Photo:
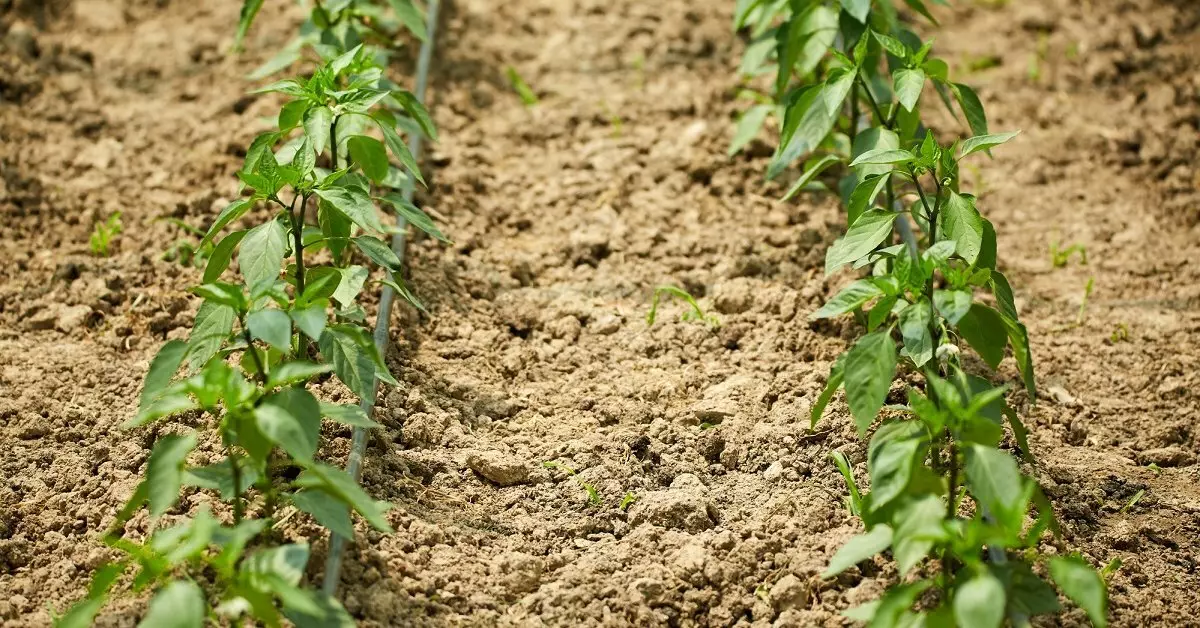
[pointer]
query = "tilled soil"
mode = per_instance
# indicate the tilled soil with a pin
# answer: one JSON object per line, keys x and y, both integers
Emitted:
{"x": 565, "y": 216}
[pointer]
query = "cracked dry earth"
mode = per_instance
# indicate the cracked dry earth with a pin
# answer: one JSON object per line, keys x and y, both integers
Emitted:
{"x": 565, "y": 216}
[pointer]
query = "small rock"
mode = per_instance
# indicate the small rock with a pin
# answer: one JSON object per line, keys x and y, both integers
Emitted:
{"x": 20, "y": 39}
{"x": 773, "y": 472}
{"x": 71, "y": 318}
{"x": 713, "y": 410}
{"x": 689, "y": 562}
{"x": 687, "y": 510}
{"x": 1062, "y": 397}
{"x": 1033, "y": 17}
{"x": 521, "y": 572}
{"x": 501, "y": 468}
{"x": 733, "y": 297}
{"x": 1167, "y": 457}
{"x": 789, "y": 592}
{"x": 606, "y": 324}
{"x": 649, "y": 589}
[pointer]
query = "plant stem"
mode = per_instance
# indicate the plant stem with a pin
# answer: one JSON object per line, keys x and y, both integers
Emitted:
{"x": 298, "y": 240}
{"x": 258, "y": 364}
{"x": 333, "y": 143}
{"x": 236, "y": 472}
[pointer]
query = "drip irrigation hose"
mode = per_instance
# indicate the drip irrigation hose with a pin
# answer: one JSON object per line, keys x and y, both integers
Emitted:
{"x": 387, "y": 296}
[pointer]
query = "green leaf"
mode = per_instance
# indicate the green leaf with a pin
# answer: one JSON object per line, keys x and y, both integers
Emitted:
{"x": 295, "y": 371}
{"x": 890, "y": 459}
{"x": 848, "y": 299}
{"x": 339, "y": 483}
{"x": 832, "y": 384}
{"x": 370, "y": 154}
{"x": 347, "y": 415}
{"x": 292, "y": 113}
{"x": 218, "y": 260}
{"x": 952, "y": 304}
{"x": 410, "y": 16}
{"x": 165, "y": 405}
{"x": 285, "y": 561}
{"x": 813, "y": 169}
{"x": 311, "y": 320}
{"x": 417, "y": 112}
{"x": 327, "y": 509}
{"x": 355, "y": 204}
{"x": 414, "y": 216}
{"x": 213, "y": 324}
{"x": 1083, "y": 585}
{"x": 232, "y": 212}
{"x": 378, "y": 252}
{"x": 858, "y": 549}
{"x": 343, "y": 61}
{"x": 867, "y": 232}
{"x": 219, "y": 477}
{"x": 272, "y": 327}
{"x": 961, "y": 222}
{"x": 350, "y": 360}
{"x": 996, "y": 483}
{"x": 748, "y": 126}
{"x": 858, "y": 9}
{"x": 284, "y": 58}
{"x": 979, "y": 602}
{"x": 261, "y": 254}
{"x": 1018, "y": 336}
{"x": 333, "y": 614}
{"x": 918, "y": 527}
{"x": 1004, "y": 295}
{"x": 400, "y": 150}
{"x": 164, "y": 472}
{"x": 162, "y": 369}
{"x": 914, "y": 328}
{"x": 249, "y": 10}
{"x": 972, "y": 108}
{"x": 806, "y": 124}
{"x": 351, "y": 283}
{"x": 882, "y": 156}
{"x": 892, "y": 45}
{"x": 864, "y": 195}
{"x": 908, "y": 85}
{"x": 180, "y": 604}
{"x": 983, "y": 142}
{"x": 870, "y": 366}
{"x": 919, "y": 7}
{"x": 291, "y": 418}
{"x": 984, "y": 329}
{"x": 317, "y": 122}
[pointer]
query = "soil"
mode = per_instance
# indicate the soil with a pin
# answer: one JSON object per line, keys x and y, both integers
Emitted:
{"x": 565, "y": 216}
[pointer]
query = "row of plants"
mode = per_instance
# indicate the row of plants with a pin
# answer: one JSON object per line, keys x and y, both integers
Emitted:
{"x": 287, "y": 319}
{"x": 847, "y": 84}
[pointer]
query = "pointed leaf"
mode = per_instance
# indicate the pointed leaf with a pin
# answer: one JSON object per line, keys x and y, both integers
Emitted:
{"x": 979, "y": 602}
{"x": 162, "y": 369}
{"x": 867, "y": 232}
{"x": 369, "y": 154}
{"x": 961, "y": 222}
{"x": 983, "y": 142}
{"x": 832, "y": 384}
{"x": 291, "y": 418}
{"x": 180, "y": 604}
{"x": 848, "y": 299}
{"x": 414, "y": 216}
{"x": 379, "y": 252}
{"x": 260, "y": 256}
{"x": 355, "y": 204}
{"x": 272, "y": 327}
{"x": 908, "y": 85}
{"x": 1083, "y": 585}
{"x": 858, "y": 549}
{"x": 870, "y": 366}
{"x": 164, "y": 472}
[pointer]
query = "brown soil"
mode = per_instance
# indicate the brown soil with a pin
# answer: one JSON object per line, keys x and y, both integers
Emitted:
{"x": 565, "y": 216}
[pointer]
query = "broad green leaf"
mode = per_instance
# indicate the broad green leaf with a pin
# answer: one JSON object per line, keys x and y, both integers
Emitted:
{"x": 180, "y": 604}
{"x": 284, "y": 58}
{"x": 864, "y": 195}
{"x": 1018, "y": 336}
{"x": 881, "y": 156}
{"x": 292, "y": 114}
{"x": 895, "y": 607}
{"x": 890, "y": 459}
{"x": 837, "y": 87}
{"x": 832, "y": 384}
{"x": 908, "y": 85}
{"x": 1004, "y": 295}
{"x": 410, "y": 16}
{"x": 219, "y": 477}
{"x": 232, "y": 212}
{"x": 305, "y": 159}
{"x": 295, "y": 371}
{"x": 261, "y": 253}
{"x": 370, "y": 154}
{"x": 347, "y": 415}
{"x": 961, "y": 222}
{"x": 870, "y": 139}
{"x": 919, "y": 7}
{"x": 1083, "y": 585}
{"x": 870, "y": 366}
{"x": 272, "y": 327}
{"x": 914, "y": 327}
{"x": 162, "y": 369}
{"x": 223, "y": 293}
{"x": 952, "y": 304}
{"x": 343, "y": 61}
{"x": 858, "y": 549}
{"x": 341, "y": 484}
{"x": 806, "y": 124}
{"x": 400, "y": 150}
{"x": 351, "y": 283}
{"x": 355, "y": 204}
{"x": 414, "y": 216}
{"x": 351, "y": 362}
{"x": 1029, "y": 594}
{"x": 813, "y": 169}
{"x": 983, "y": 142}
{"x": 327, "y": 509}
{"x": 317, "y": 123}
{"x": 285, "y": 561}
{"x": 848, "y": 299}
{"x": 245, "y": 19}
{"x": 918, "y": 527}
{"x": 165, "y": 405}
{"x": 379, "y": 252}
{"x": 291, "y": 418}
{"x": 894, "y": 46}
{"x": 748, "y": 126}
{"x": 979, "y": 602}
{"x": 164, "y": 471}
{"x": 972, "y": 108}
{"x": 213, "y": 324}
{"x": 986, "y": 332}
{"x": 858, "y": 9}
{"x": 867, "y": 232}
{"x": 311, "y": 320}
{"x": 996, "y": 483}
{"x": 218, "y": 260}
{"x": 289, "y": 86}
{"x": 332, "y": 613}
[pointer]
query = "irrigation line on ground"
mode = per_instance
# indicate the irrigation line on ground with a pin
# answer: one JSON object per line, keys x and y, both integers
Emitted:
{"x": 358, "y": 445}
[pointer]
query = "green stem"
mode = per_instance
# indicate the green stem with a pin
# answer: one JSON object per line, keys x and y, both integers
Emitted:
{"x": 298, "y": 240}
{"x": 236, "y": 472}
{"x": 333, "y": 143}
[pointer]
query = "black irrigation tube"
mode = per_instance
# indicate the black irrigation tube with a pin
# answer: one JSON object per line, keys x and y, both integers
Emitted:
{"x": 337, "y": 543}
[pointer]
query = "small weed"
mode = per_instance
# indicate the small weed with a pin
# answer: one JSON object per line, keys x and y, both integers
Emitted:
{"x": 1155, "y": 468}
{"x": 1111, "y": 568}
{"x": 979, "y": 63}
{"x": 1120, "y": 333}
{"x": 1038, "y": 59}
{"x": 1087, "y": 292}
{"x": 627, "y": 501}
{"x": 1137, "y": 497}
{"x": 594, "y": 498}
{"x": 103, "y": 234}
{"x": 693, "y": 314}
{"x": 1060, "y": 257}
{"x": 521, "y": 87}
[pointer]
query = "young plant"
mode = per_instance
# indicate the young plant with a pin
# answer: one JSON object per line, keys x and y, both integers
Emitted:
{"x": 255, "y": 346}
{"x": 693, "y": 313}
{"x": 949, "y": 505}
{"x": 103, "y": 234}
